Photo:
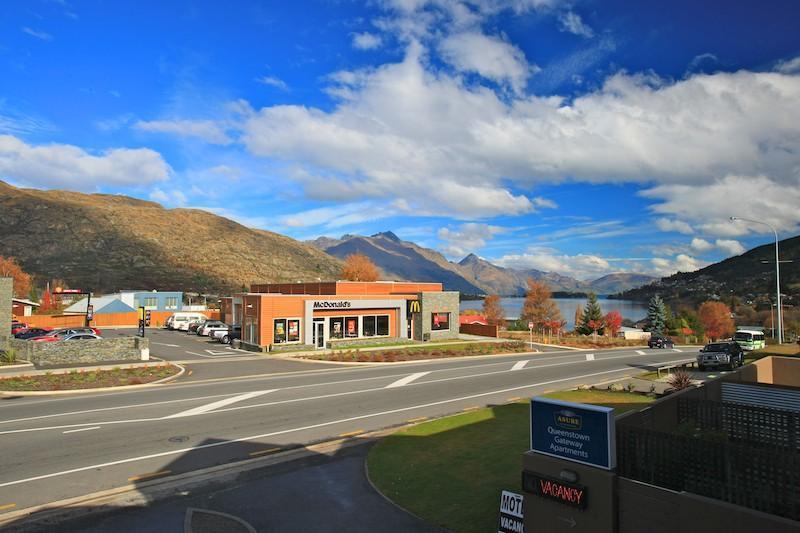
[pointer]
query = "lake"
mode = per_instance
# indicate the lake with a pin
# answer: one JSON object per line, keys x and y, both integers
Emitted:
{"x": 512, "y": 306}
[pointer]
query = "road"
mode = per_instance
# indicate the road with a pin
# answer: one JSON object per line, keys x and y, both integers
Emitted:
{"x": 60, "y": 447}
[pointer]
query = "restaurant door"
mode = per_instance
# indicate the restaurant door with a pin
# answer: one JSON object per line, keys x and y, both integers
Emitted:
{"x": 319, "y": 334}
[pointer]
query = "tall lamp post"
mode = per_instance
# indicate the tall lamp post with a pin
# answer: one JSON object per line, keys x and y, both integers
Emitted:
{"x": 777, "y": 271}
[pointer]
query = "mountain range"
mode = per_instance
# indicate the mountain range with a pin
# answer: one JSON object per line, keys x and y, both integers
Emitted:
{"x": 400, "y": 259}
{"x": 108, "y": 242}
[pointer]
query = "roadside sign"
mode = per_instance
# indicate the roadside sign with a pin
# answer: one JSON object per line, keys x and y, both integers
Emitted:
{"x": 558, "y": 490}
{"x": 59, "y": 290}
{"x": 510, "y": 513}
{"x": 530, "y": 325}
{"x": 574, "y": 431}
{"x": 89, "y": 313}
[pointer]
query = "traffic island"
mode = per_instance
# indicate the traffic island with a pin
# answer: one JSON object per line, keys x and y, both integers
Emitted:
{"x": 417, "y": 353}
{"x": 90, "y": 379}
{"x": 450, "y": 471}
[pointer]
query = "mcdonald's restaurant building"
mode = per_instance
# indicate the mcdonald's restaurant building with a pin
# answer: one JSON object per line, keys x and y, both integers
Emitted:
{"x": 279, "y": 316}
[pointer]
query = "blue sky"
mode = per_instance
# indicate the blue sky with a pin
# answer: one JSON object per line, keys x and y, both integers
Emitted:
{"x": 575, "y": 136}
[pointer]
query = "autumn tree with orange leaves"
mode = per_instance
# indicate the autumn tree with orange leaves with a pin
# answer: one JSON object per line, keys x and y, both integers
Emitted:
{"x": 539, "y": 307}
{"x": 359, "y": 267}
{"x": 613, "y": 321}
{"x": 493, "y": 311}
{"x": 22, "y": 281}
{"x": 716, "y": 319}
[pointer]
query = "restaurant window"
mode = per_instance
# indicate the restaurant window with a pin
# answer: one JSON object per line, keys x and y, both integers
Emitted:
{"x": 369, "y": 326}
{"x": 286, "y": 330}
{"x": 351, "y": 326}
{"x": 440, "y": 321}
{"x": 337, "y": 328}
{"x": 382, "y": 325}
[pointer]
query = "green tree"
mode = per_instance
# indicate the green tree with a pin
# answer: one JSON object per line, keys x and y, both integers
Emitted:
{"x": 657, "y": 314}
{"x": 592, "y": 318}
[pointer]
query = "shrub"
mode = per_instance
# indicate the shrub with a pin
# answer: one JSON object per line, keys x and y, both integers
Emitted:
{"x": 680, "y": 380}
{"x": 9, "y": 356}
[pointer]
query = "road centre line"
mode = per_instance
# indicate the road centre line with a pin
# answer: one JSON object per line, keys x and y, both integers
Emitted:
{"x": 81, "y": 429}
{"x": 590, "y": 357}
{"x": 221, "y": 403}
{"x": 298, "y": 429}
{"x": 295, "y": 400}
{"x": 519, "y": 365}
{"x": 640, "y": 352}
{"x": 406, "y": 380}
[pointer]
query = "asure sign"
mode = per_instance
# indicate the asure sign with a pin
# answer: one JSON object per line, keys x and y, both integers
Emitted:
{"x": 510, "y": 513}
{"x": 570, "y": 494}
{"x": 341, "y": 304}
{"x": 574, "y": 431}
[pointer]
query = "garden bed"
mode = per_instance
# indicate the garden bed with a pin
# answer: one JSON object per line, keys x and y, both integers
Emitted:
{"x": 88, "y": 379}
{"x": 421, "y": 352}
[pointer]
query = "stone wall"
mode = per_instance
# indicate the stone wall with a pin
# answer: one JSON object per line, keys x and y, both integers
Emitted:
{"x": 6, "y": 288}
{"x": 78, "y": 352}
{"x": 437, "y": 302}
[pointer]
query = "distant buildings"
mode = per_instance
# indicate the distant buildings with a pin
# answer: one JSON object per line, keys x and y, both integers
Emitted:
{"x": 127, "y": 301}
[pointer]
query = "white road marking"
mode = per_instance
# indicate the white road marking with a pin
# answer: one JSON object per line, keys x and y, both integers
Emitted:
{"x": 406, "y": 380}
{"x": 641, "y": 352}
{"x": 298, "y": 429}
{"x": 590, "y": 357}
{"x": 82, "y": 429}
{"x": 221, "y": 403}
{"x": 217, "y": 352}
{"x": 165, "y": 344}
{"x": 519, "y": 365}
{"x": 676, "y": 350}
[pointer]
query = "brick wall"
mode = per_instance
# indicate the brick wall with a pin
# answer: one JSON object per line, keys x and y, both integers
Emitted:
{"x": 43, "y": 354}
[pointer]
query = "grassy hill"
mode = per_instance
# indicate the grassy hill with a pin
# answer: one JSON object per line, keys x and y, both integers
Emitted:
{"x": 107, "y": 242}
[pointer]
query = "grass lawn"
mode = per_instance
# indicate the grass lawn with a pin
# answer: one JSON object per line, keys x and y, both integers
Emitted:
{"x": 422, "y": 352}
{"x": 450, "y": 471}
{"x": 80, "y": 379}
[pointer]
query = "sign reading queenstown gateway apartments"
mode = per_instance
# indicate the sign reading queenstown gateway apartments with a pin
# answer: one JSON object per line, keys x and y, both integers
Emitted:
{"x": 573, "y": 431}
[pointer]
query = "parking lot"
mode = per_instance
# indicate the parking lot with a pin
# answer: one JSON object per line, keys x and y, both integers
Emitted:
{"x": 180, "y": 346}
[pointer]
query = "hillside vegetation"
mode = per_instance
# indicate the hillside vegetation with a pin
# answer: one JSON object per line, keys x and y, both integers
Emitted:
{"x": 106, "y": 243}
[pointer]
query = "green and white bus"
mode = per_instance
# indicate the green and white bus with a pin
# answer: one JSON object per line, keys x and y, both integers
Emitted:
{"x": 750, "y": 339}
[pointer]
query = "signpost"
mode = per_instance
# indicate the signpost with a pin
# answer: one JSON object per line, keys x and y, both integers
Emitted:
{"x": 574, "y": 431}
{"x": 511, "y": 514}
{"x": 530, "y": 333}
{"x": 144, "y": 316}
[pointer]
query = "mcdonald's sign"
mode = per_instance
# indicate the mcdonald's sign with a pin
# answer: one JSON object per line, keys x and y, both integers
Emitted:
{"x": 413, "y": 306}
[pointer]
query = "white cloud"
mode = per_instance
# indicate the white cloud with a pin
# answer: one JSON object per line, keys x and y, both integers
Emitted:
{"x": 680, "y": 263}
{"x": 702, "y": 60}
{"x": 171, "y": 197}
{"x": 730, "y": 246}
{"x": 701, "y": 245}
{"x": 467, "y": 238}
{"x": 572, "y": 23}
{"x": 666, "y": 224}
{"x": 366, "y": 41}
{"x": 207, "y": 130}
{"x": 39, "y": 34}
{"x": 581, "y": 266}
{"x": 338, "y": 216}
{"x": 64, "y": 165}
{"x": 790, "y": 66}
{"x": 490, "y": 57}
{"x": 710, "y": 206}
{"x": 273, "y": 81}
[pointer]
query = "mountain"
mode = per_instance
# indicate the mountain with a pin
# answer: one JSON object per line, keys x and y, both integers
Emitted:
{"x": 405, "y": 260}
{"x": 513, "y": 282}
{"x": 107, "y": 242}
{"x": 621, "y": 281}
{"x": 744, "y": 276}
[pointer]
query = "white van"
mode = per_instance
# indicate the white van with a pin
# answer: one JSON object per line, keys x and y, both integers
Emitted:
{"x": 181, "y": 320}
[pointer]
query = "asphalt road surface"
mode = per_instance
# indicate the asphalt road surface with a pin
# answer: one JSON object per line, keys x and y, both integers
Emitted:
{"x": 60, "y": 447}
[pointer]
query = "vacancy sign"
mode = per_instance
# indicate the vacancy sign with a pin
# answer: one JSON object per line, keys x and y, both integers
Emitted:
{"x": 510, "y": 513}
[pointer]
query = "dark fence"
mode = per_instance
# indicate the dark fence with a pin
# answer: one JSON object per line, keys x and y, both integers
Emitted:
{"x": 703, "y": 461}
{"x": 753, "y": 425}
{"x": 478, "y": 329}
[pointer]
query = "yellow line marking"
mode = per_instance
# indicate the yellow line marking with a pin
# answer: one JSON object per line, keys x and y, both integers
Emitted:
{"x": 351, "y": 434}
{"x": 7, "y": 506}
{"x": 513, "y": 400}
{"x": 415, "y": 420}
{"x": 471, "y": 408}
{"x": 149, "y": 475}
{"x": 265, "y": 452}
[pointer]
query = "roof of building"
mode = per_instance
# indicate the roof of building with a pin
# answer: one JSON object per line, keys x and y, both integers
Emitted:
{"x": 101, "y": 304}
{"x": 23, "y": 301}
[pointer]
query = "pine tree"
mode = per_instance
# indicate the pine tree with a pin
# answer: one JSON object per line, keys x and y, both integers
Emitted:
{"x": 592, "y": 319}
{"x": 657, "y": 314}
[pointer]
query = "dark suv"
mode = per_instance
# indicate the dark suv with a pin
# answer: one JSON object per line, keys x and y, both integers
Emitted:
{"x": 660, "y": 341}
{"x": 725, "y": 354}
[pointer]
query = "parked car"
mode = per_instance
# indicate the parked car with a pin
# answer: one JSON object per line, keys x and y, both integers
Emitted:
{"x": 660, "y": 341}
{"x": 193, "y": 325}
{"x": 32, "y": 332}
{"x": 727, "y": 354}
{"x": 225, "y": 336}
{"x": 210, "y": 326}
{"x": 61, "y": 334}
{"x": 81, "y": 337}
{"x": 16, "y": 327}
{"x": 181, "y": 320}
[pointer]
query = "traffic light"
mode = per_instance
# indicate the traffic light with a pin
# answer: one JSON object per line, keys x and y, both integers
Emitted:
{"x": 147, "y": 319}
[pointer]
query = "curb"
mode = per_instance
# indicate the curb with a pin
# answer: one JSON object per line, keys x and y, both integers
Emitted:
{"x": 163, "y": 381}
{"x": 23, "y": 365}
{"x": 392, "y": 363}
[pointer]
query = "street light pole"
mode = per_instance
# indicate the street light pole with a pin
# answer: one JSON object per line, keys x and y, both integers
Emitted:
{"x": 777, "y": 272}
